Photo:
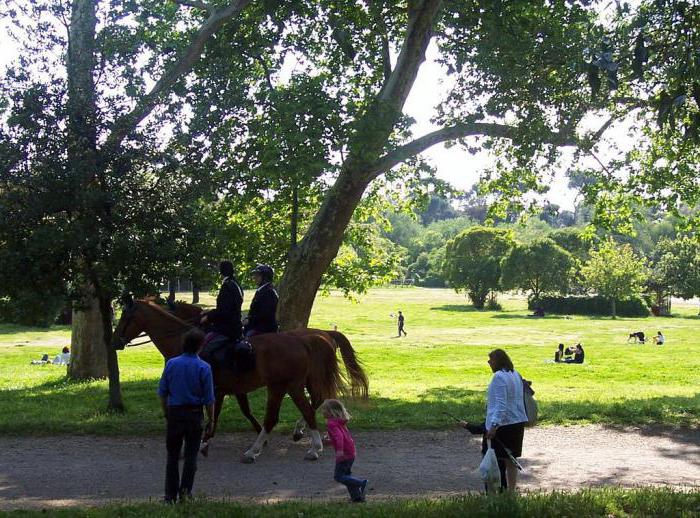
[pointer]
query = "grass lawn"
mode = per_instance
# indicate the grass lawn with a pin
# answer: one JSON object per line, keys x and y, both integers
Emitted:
{"x": 440, "y": 366}
{"x": 598, "y": 502}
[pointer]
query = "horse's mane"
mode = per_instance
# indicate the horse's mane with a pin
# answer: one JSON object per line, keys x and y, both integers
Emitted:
{"x": 163, "y": 312}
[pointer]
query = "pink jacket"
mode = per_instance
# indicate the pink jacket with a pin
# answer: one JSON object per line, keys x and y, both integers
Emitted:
{"x": 341, "y": 439}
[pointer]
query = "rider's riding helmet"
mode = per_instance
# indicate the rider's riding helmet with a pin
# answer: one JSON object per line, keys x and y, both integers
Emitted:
{"x": 226, "y": 268}
{"x": 265, "y": 271}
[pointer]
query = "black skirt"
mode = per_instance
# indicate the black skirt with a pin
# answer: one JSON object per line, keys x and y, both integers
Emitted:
{"x": 509, "y": 436}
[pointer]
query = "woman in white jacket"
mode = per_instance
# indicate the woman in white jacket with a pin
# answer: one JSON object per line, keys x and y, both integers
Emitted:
{"x": 505, "y": 416}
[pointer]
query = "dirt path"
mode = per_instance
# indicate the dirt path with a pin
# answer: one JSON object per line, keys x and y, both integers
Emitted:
{"x": 59, "y": 471}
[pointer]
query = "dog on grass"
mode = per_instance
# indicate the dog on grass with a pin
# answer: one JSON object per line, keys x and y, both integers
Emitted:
{"x": 637, "y": 337}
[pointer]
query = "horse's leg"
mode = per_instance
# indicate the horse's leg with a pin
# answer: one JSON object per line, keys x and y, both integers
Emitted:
{"x": 309, "y": 414}
{"x": 299, "y": 429}
{"x": 244, "y": 405}
{"x": 218, "y": 406}
{"x": 272, "y": 414}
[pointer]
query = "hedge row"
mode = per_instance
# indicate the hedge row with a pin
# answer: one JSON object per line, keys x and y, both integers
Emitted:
{"x": 634, "y": 307}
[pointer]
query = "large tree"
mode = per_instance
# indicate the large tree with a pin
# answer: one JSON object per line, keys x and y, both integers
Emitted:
{"x": 77, "y": 148}
{"x": 473, "y": 262}
{"x": 676, "y": 268}
{"x": 615, "y": 272}
{"x": 332, "y": 79}
{"x": 538, "y": 267}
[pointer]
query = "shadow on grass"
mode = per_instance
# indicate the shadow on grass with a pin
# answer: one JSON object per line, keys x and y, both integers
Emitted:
{"x": 531, "y": 318}
{"x": 460, "y": 308}
{"x": 62, "y": 406}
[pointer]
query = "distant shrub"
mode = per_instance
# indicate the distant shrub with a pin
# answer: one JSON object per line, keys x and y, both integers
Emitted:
{"x": 634, "y": 307}
{"x": 31, "y": 310}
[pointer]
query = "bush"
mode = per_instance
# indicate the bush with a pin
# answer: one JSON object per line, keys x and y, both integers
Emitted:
{"x": 31, "y": 310}
{"x": 634, "y": 307}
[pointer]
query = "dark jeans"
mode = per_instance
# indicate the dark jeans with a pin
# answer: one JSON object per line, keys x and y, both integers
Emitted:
{"x": 343, "y": 471}
{"x": 184, "y": 424}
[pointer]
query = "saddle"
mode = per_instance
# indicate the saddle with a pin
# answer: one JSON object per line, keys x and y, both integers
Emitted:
{"x": 236, "y": 355}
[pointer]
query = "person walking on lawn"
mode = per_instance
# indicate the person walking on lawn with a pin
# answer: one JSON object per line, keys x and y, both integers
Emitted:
{"x": 185, "y": 388}
{"x": 401, "y": 324}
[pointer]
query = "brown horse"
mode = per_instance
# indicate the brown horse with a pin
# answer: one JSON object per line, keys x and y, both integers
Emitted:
{"x": 286, "y": 363}
{"x": 192, "y": 313}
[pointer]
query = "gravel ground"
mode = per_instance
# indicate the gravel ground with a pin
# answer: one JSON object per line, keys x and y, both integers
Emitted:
{"x": 45, "y": 472}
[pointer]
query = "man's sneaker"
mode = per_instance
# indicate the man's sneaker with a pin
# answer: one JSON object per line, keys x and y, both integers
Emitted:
{"x": 363, "y": 488}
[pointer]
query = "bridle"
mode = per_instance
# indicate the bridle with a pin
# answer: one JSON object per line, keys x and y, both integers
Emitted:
{"x": 128, "y": 314}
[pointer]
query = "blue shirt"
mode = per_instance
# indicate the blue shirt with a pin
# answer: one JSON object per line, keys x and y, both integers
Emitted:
{"x": 187, "y": 380}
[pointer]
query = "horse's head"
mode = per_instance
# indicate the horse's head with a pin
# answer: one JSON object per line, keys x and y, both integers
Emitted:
{"x": 130, "y": 325}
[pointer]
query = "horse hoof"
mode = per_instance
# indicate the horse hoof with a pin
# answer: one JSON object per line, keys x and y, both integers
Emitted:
{"x": 246, "y": 459}
{"x": 204, "y": 450}
{"x": 297, "y": 437}
{"x": 311, "y": 455}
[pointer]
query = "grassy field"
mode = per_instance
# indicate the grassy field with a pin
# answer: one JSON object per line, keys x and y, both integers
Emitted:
{"x": 440, "y": 366}
{"x": 600, "y": 502}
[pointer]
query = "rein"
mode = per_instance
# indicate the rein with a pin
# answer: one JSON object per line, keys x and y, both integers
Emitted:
{"x": 189, "y": 323}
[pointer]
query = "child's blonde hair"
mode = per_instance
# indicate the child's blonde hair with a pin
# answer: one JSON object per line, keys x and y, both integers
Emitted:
{"x": 335, "y": 408}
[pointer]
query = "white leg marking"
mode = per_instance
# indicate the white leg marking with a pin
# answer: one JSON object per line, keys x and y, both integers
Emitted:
{"x": 256, "y": 449}
{"x": 299, "y": 427}
{"x": 316, "y": 446}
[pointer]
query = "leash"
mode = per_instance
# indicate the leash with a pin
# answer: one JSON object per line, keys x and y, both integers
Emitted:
{"x": 507, "y": 450}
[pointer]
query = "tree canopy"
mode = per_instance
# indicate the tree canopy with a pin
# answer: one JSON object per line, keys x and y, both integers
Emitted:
{"x": 538, "y": 267}
{"x": 473, "y": 261}
{"x": 614, "y": 272}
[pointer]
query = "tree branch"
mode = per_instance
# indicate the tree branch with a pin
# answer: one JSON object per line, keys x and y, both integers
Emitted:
{"x": 377, "y": 8}
{"x": 194, "y": 3}
{"x": 420, "y": 24}
{"x": 488, "y": 129}
{"x": 125, "y": 124}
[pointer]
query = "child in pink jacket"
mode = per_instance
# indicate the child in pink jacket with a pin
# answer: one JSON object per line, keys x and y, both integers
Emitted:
{"x": 336, "y": 418}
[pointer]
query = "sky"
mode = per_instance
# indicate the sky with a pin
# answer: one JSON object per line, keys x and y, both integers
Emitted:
{"x": 455, "y": 165}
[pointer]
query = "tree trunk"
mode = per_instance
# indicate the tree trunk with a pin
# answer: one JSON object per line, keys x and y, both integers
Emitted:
{"x": 310, "y": 259}
{"x": 88, "y": 356}
{"x": 295, "y": 217}
{"x": 172, "y": 290}
{"x": 88, "y": 359}
{"x": 195, "y": 292}
{"x": 612, "y": 307}
{"x": 115, "y": 403}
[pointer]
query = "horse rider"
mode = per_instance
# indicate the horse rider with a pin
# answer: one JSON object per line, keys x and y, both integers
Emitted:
{"x": 262, "y": 316}
{"x": 225, "y": 320}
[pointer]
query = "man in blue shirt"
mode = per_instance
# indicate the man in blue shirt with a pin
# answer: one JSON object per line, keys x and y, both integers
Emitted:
{"x": 185, "y": 387}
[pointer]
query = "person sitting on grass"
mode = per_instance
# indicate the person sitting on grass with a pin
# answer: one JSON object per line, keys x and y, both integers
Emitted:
{"x": 579, "y": 355}
{"x": 63, "y": 358}
{"x": 559, "y": 354}
{"x": 538, "y": 312}
{"x": 659, "y": 339}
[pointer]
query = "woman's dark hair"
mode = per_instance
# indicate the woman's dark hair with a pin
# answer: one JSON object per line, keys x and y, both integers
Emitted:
{"x": 226, "y": 268}
{"x": 501, "y": 361}
{"x": 65, "y": 350}
{"x": 192, "y": 341}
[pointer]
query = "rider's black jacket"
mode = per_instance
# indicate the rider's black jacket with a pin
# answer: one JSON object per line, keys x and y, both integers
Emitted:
{"x": 262, "y": 316}
{"x": 226, "y": 318}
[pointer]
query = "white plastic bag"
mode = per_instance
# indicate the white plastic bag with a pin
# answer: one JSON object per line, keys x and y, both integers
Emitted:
{"x": 488, "y": 469}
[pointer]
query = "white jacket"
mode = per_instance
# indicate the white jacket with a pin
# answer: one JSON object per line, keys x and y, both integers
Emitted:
{"x": 505, "y": 400}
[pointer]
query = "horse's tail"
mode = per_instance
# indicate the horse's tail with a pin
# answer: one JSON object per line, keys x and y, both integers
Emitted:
{"x": 325, "y": 379}
{"x": 359, "y": 384}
